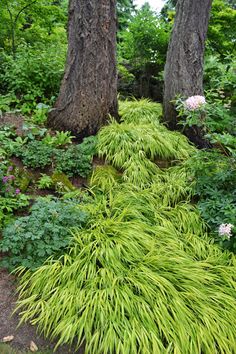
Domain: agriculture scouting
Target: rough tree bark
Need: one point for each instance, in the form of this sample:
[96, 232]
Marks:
[88, 92]
[184, 64]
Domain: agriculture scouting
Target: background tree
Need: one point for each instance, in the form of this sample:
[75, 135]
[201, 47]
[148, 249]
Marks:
[125, 9]
[184, 64]
[88, 91]
[28, 22]
[142, 51]
[221, 37]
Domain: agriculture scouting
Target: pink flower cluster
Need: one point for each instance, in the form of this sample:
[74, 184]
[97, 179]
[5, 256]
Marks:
[225, 230]
[8, 182]
[194, 102]
[5, 179]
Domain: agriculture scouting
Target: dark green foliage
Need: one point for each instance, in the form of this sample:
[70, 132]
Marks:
[220, 85]
[73, 162]
[215, 176]
[125, 8]
[77, 159]
[89, 145]
[30, 240]
[36, 154]
[142, 51]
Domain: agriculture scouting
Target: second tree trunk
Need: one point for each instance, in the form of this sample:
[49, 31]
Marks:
[184, 64]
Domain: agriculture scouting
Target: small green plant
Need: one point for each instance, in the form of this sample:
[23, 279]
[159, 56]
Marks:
[32, 131]
[7, 102]
[60, 139]
[11, 197]
[73, 162]
[225, 141]
[45, 182]
[30, 240]
[40, 113]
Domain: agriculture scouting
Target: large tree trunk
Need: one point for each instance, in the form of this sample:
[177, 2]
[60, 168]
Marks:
[88, 91]
[184, 64]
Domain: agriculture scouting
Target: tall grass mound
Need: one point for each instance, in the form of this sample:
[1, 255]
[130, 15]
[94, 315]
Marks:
[140, 110]
[142, 276]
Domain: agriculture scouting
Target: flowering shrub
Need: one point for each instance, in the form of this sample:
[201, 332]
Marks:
[191, 111]
[213, 116]
[194, 102]
[225, 230]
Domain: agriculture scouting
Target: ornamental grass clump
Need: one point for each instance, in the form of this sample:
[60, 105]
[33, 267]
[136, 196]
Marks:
[120, 142]
[135, 285]
[141, 277]
[137, 111]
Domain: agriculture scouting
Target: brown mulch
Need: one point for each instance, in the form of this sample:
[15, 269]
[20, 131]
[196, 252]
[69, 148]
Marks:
[15, 120]
[25, 333]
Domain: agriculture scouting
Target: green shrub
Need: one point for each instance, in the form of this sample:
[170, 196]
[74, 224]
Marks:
[36, 154]
[77, 159]
[30, 240]
[7, 102]
[35, 73]
[215, 180]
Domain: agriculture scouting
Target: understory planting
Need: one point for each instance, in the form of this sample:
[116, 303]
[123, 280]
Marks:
[141, 275]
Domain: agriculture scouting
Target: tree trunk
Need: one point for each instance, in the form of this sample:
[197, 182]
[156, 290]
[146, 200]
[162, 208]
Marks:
[184, 64]
[88, 92]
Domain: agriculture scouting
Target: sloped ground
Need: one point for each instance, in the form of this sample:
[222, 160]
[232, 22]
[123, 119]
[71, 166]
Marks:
[25, 333]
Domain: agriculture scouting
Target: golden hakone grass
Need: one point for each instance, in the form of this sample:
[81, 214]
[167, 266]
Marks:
[142, 276]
